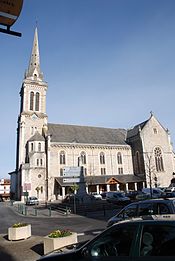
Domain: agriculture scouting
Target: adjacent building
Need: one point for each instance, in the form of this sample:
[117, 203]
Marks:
[4, 189]
[50, 157]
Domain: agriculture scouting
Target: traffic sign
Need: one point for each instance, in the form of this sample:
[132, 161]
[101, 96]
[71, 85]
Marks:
[71, 171]
[71, 180]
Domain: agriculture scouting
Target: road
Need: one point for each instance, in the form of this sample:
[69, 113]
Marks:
[31, 249]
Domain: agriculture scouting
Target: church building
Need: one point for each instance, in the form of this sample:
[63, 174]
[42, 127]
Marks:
[51, 157]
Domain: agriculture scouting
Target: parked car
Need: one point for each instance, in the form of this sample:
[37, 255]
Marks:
[96, 196]
[32, 201]
[143, 208]
[132, 194]
[169, 194]
[150, 239]
[142, 196]
[117, 197]
[170, 189]
[103, 194]
[156, 192]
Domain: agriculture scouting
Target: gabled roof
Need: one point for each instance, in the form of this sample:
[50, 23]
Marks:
[134, 131]
[86, 134]
[37, 137]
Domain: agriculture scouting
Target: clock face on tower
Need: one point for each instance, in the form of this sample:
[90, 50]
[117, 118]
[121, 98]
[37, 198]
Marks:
[34, 117]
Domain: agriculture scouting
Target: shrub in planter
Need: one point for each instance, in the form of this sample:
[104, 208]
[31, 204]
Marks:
[58, 239]
[19, 231]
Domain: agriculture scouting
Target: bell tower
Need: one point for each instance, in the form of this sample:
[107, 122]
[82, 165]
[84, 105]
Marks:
[32, 117]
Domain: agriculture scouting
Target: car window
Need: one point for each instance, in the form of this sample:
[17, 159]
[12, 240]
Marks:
[145, 209]
[158, 240]
[163, 209]
[129, 211]
[117, 241]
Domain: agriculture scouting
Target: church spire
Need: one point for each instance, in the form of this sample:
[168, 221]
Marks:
[34, 71]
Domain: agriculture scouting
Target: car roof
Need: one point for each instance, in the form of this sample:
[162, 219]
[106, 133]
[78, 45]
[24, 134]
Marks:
[149, 218]
[153, 200]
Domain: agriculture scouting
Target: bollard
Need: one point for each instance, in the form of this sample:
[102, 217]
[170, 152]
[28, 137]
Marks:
[49, 211]
[25, 210]
[20, 210]
[35, 211]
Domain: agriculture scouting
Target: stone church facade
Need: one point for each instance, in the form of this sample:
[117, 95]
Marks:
[50, 157]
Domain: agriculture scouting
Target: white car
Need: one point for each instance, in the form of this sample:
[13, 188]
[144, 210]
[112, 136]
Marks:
[96, 195]
[32, 201]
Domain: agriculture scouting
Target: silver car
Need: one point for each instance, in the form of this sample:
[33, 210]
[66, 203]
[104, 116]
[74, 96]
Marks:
[32, 201]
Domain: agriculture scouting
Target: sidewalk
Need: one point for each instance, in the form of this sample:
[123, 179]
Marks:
[24, 250]
[29, 249]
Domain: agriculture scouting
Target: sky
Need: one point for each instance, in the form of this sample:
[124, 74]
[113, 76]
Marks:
[108, 63]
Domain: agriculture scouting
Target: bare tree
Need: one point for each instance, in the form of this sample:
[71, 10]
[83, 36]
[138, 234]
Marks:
[150, 171]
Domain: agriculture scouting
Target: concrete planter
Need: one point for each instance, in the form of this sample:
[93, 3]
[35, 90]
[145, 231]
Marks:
[17, 233]
[51, 244]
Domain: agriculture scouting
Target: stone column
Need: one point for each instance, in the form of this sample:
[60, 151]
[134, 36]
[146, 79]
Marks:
[63, 192]
[108, 187]
[126, 186]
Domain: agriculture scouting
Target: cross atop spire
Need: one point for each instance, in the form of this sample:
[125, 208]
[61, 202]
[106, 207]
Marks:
[34, 71]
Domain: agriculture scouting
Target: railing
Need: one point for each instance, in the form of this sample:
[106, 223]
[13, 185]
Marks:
[63, 210]
[38, 210]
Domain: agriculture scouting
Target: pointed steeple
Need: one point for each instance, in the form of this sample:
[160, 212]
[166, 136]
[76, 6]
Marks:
[34, 71]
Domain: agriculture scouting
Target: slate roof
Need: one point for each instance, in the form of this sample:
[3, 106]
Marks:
[37, 137]
[122, 178]
[86, 134]
[134, 131]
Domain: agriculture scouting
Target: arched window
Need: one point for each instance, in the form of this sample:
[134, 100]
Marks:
[32, 147]
[37, 162]
[158, 159]
[138, 168]
[103, 171]
[41, 162]
[83, 157]
[119, 158]
[31, 100]
[39, 146]
[37, 101]
[120, 170]
[102, 158]
[62, 157]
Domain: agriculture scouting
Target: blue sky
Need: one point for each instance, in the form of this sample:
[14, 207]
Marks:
[108, 63]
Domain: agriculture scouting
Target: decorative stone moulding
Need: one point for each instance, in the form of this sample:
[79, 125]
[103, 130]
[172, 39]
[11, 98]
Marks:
[18, 233]
[51, 244]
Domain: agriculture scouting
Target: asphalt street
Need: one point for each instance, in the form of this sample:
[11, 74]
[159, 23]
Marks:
[42, 224]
